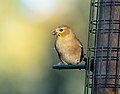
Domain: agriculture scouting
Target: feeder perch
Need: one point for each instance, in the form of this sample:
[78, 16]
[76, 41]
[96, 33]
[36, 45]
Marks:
[78, 66]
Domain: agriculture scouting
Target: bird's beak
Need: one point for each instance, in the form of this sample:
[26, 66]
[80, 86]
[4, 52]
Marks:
[54, 32]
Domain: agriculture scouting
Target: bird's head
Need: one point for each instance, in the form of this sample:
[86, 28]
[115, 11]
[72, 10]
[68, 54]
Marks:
[62, 31]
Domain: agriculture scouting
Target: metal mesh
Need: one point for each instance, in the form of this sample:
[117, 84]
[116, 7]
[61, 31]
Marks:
[104, 48]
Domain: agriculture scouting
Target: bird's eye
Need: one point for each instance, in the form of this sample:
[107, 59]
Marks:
[61, 30]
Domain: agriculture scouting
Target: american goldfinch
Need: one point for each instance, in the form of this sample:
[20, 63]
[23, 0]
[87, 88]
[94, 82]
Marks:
[68, 47]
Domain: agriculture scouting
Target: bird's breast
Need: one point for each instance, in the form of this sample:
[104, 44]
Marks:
[69, 50]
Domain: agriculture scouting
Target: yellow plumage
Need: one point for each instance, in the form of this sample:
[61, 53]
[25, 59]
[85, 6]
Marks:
[69, 48]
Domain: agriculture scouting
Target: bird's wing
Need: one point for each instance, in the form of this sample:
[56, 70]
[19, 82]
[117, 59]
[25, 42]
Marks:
[82, 53]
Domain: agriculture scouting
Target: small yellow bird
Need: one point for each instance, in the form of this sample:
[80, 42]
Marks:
[68, 47]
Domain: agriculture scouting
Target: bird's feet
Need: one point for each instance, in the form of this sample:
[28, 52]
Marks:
[61, 63]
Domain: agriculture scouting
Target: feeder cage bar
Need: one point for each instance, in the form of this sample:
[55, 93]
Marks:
[103, 48]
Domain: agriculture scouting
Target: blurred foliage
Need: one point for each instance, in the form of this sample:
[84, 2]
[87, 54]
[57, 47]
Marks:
[27, 48]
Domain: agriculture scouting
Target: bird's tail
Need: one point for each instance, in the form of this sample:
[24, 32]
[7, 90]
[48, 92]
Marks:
[91, 63]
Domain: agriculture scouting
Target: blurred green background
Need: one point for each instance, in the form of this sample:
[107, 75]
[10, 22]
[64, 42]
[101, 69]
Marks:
[27, 45]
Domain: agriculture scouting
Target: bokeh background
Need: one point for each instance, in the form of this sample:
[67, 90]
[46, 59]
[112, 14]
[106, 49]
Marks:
[27, 45]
